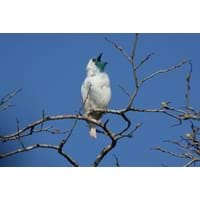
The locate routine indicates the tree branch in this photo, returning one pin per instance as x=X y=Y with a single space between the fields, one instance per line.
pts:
x=31 y=126
x=188 y=87
x=35 y=146
x=144 y=60
x=163 y=71
x=4 y=102
x=103 y=153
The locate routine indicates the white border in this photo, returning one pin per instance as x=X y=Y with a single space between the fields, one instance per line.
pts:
x=102 y=16
x=102 y=183
x=34 y=16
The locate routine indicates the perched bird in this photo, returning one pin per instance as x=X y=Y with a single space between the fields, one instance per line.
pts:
x=95 y=90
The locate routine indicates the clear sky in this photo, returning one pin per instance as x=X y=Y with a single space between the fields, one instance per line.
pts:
x=51 y=68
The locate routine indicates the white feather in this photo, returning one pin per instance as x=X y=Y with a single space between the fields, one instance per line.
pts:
x=96 y=92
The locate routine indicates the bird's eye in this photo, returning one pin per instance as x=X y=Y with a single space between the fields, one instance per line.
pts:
x=93 y=59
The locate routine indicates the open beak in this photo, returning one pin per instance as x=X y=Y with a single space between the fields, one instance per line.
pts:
x=99 y=57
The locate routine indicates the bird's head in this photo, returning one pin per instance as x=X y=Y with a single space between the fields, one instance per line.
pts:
x=99 y=64
x=95 y=64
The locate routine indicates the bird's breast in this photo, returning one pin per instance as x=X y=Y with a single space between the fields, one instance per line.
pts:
x=100 y=91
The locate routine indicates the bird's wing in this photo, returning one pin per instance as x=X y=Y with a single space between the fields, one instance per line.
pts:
x=85 y=89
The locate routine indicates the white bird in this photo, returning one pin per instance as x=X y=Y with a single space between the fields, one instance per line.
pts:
x=95 y=90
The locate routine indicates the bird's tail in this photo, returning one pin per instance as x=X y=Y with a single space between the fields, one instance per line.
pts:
x=93 y=132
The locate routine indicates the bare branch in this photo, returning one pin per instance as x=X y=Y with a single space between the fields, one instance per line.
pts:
x=129 y=134
x=128 y=123
x=29 y=148
x=162 y=71
x=134 y=47
x=47 y=146
x=169 y=152
x=43 y=116
x=48 y=129
x=186 y=155
x=18 y=134
x=4 y=102
x=103 y=153
x=188 y=87
x=116 y=161
x=125 y=91
x=189 y=163
x=135 y=76
x=144 y=60
x=64 y=141
x=177 y=143
x=112 y=145
x=122 y=51
x=48 y=118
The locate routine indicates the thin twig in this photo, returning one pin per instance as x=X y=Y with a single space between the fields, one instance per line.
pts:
x=49 y=118
x=64 y=141
x=4 y=102
x=103 y=153
x=162 y=71
x=125 y=91
x=189 y=163
x=135 y=76
x=122 y=51
x=35 y=146
x=169 y=152
x=19 y=139
x=144 y=60
x=134 y=46
x=188 y=87
x=116 y=161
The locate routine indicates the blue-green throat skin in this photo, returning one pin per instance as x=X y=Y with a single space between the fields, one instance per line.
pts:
x=101 y=65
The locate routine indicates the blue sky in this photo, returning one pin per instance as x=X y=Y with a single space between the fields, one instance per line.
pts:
x=51 y=68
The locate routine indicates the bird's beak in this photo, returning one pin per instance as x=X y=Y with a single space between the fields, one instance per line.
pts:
x=99 y=57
